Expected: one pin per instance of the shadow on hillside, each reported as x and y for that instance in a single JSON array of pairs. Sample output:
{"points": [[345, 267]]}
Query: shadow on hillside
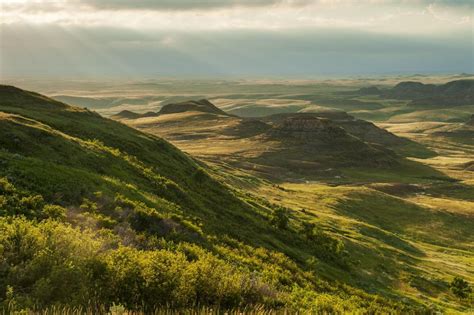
{"points": [[290, 165]]}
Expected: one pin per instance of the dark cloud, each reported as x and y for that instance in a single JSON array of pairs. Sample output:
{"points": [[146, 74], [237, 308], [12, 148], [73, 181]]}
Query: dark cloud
{"points": [[184, 4], [212, 4]]}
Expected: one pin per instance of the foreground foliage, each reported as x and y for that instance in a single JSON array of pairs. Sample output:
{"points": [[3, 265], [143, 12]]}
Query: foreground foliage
{"points": [[52, 263]]}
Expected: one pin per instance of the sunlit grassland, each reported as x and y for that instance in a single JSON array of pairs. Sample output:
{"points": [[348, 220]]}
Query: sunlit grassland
{"points": [[417, 256], [396, 242], [451, 152], [408, 243]]}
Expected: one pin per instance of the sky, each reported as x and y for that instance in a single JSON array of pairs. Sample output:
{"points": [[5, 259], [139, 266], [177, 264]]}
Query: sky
{"points": [[234, 38]]}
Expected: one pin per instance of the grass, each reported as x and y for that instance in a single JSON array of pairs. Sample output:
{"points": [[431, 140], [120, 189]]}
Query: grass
{"points": [[400, 250], [120, 310], [393, 240]]}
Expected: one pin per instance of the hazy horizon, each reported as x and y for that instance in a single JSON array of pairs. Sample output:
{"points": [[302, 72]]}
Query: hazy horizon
{"points": [[234, 39]]}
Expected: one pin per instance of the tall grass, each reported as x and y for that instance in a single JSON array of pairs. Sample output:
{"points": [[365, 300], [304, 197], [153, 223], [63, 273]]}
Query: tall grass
{"points": [[120, 310]]}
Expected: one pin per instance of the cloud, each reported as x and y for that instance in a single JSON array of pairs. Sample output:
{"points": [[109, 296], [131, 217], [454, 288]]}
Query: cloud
{"points": [[202, 5], [282, 15], [133, 5], [234, 37], [177, 5], [98, 51], [213, 4]]}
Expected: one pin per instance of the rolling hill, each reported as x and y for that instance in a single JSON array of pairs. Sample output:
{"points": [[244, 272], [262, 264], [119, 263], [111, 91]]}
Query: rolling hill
{"points": [[94, 213], [297, 146]]}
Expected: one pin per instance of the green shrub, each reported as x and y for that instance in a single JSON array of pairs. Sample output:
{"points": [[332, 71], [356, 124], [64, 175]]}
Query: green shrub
{"points": [[144, 219], [53, 212], [279, 218], [460, 287]]}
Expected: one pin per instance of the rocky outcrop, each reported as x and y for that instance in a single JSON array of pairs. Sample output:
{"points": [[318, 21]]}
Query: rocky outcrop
{"points": [[319, 122], [305, 127], [306, 140]]}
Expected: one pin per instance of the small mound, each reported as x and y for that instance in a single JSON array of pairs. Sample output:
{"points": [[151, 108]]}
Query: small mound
{"points": [[200, 106], [370, 90], [149, 114], [126, 114]]}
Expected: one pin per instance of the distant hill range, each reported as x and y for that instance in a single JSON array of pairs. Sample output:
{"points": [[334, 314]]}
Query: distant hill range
{"points": [[454, 93]]}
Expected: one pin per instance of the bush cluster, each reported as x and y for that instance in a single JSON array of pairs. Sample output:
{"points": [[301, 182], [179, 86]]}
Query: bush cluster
{"points": [[50, 262]]}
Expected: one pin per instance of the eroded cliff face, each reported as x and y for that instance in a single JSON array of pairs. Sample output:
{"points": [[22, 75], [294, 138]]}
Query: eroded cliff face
{"points": [[310, 143], [308, 128]]}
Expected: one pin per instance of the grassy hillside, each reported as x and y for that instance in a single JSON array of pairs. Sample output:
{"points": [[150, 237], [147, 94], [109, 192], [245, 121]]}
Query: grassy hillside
{"points": [[95, 213]]}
